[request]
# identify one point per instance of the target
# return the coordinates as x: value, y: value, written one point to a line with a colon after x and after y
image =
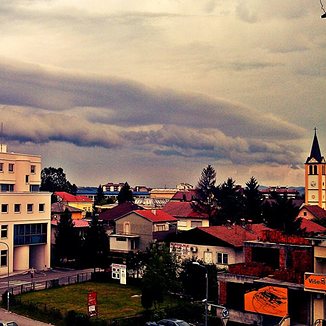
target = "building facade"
x: 315, y: 176
x: 25, y: 214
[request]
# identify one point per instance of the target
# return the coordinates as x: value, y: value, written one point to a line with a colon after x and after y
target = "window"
x: 33, y: 169
x: 17, y: 208
x: 222, y: 258
x: 4, y: 208
x: 11, y: 167
x: 30, y: 234
x: 304, y: 213
x: 126, y: 227
x: 3, y: 258
x: 7, y: 187
x: 1, y: 167
x: 41, y: 207
x: 26, y: 178
x: 4, y: 231
x: 34, y: 188
x: 195, y: 224
x: 29, y: 208
x: 160, y: 227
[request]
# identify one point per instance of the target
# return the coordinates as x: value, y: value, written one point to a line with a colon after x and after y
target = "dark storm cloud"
x: 111, y: 113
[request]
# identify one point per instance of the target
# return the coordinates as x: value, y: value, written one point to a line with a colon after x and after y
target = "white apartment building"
x: 25, y: 214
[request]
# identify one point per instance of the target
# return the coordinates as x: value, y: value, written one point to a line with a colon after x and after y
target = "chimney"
x: 154, y: 211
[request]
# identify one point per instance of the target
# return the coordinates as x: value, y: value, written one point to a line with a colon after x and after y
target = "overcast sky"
x: 152, y: 91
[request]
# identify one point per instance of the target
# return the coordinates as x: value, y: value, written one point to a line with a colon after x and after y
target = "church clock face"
x: 313, y: 183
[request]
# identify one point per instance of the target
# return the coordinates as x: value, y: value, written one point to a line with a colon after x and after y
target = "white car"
x: 8, y: 323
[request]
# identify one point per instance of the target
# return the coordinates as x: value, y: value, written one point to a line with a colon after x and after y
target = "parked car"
x: 8, y: 323
x: 168, y: 322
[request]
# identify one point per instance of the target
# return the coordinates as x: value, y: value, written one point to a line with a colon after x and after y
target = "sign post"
x: 92, y: 304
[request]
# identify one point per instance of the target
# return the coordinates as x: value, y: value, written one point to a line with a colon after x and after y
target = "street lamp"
x: 8, y: 295
x: 206, y: 293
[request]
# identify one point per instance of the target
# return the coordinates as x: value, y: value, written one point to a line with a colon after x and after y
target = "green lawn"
x: 114, y: 300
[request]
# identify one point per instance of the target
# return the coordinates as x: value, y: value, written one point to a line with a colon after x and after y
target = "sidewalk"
x: 20, y: 320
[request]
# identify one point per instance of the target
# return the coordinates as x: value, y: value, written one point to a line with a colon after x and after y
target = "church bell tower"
x: 315, y: 178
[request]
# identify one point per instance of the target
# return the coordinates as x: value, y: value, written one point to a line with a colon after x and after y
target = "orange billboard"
x: 269, y: 300
x: 315, y: 282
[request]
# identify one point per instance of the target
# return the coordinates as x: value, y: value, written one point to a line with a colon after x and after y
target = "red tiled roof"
x: 315, y: 210
x: 118, y: 211
x: 66, y: 197
x: 184, y: 195
x: 60, y: 207
x: 156, y: 215
x: 236, y: 234
x: 77, y: 223
x: 312, y: 227
x: 183, y: 209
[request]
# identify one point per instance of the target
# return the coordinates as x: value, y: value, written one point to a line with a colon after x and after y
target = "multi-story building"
x: 315, y: 176
x: 25, y: 214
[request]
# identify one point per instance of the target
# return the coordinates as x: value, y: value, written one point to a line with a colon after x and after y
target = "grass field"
x: 114, y: 300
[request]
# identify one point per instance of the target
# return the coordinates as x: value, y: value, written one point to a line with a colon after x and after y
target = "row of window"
x: 7, y: 187
x: 11, y: 168
x: 18, y: 207
x: 313, y: 169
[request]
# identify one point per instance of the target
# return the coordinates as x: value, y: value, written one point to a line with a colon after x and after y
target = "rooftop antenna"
x: 323, y: 9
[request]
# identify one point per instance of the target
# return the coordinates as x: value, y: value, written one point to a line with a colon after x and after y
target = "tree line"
x: 228, y: 203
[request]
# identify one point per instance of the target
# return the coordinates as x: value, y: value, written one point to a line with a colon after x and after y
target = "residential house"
x: 271, y: 192
x: 135, y: 230
x: 187, y: 217
x: 162, y: 193
x: 25, y: 214
x: 58, y: 208
x: 80, y: 227
x: 310, y: 212
x: 219, y: 245
x: 184, y: 195
x: 268, y: 286
x: 82, y: 202
x: 109, y: 216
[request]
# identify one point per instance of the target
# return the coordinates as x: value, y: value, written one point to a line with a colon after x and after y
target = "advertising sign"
x: 315, y: 282
x: 269, y: 300
x: 119, y: 272
x: 92, y: 304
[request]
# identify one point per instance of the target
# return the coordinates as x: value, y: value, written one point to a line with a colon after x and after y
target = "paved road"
x: 20, y: 320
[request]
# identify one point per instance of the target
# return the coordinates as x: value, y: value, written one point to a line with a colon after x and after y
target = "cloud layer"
x: 235, y: 84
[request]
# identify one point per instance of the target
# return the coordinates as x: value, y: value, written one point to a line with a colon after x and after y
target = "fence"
x: 47, y: 284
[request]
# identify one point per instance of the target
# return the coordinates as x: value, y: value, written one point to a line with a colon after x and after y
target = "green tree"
x: 253, y: 200
x: 280, y: 213
x: 230, y: 202
x: 205, y: 201
x: 96, y: 245
x: 125, y: 194
x: 100, y: 198
x: 67, y: 241
x: 54, y: 179
x: 160, y: 275
x: 193, y: 280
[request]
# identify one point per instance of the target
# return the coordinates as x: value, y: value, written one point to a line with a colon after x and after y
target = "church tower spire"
x: 315, y: 152
x: 315, y: 178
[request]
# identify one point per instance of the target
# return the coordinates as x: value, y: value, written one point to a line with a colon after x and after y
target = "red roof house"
x: 137, y: 229
x: 187, y: 217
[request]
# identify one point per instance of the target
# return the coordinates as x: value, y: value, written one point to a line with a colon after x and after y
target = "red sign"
x: 92, y: 303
